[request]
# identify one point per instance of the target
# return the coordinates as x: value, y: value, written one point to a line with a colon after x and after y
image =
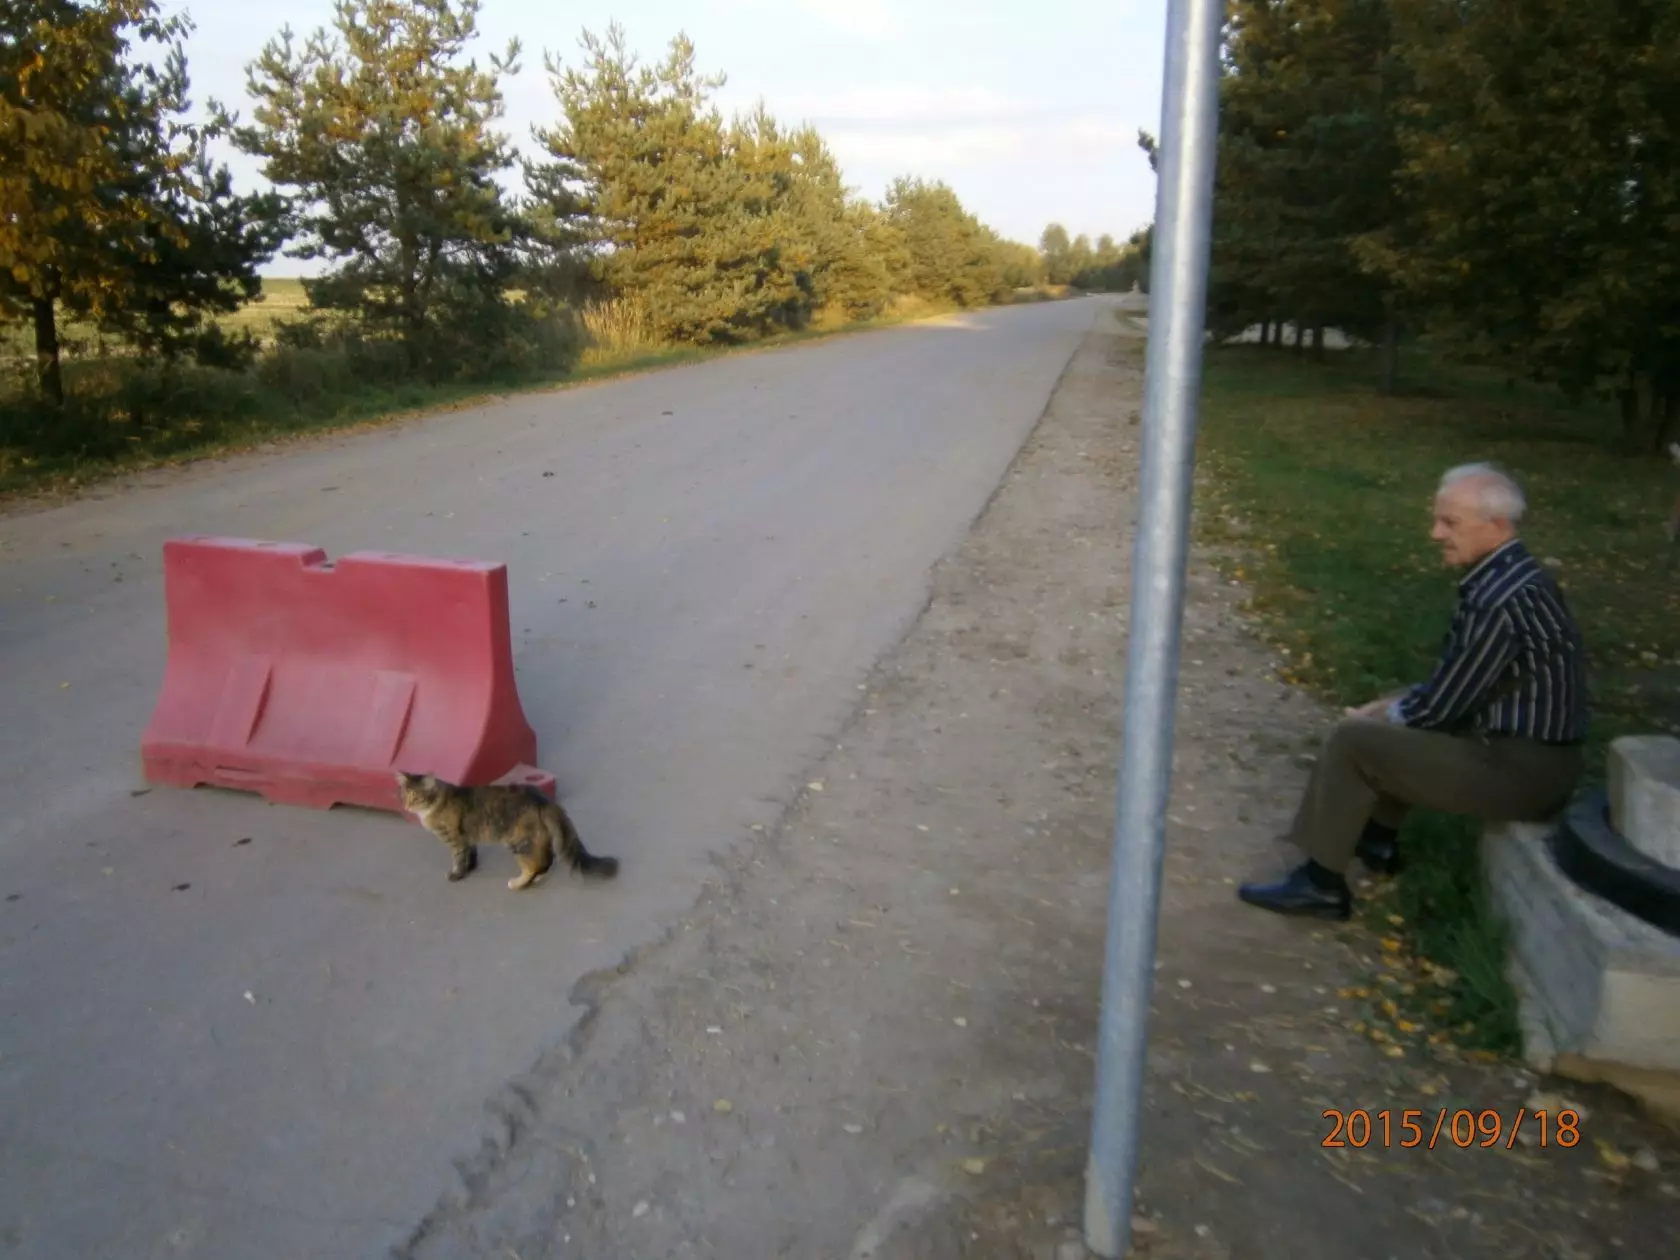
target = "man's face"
x: 1463, y: 533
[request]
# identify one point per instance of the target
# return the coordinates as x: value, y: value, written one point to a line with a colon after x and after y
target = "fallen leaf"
x: 723, y: 1106
x: 1551, y: 1104
x: 974, y: 1167
x: 1217, y: 1172
x: 1610, y: 1156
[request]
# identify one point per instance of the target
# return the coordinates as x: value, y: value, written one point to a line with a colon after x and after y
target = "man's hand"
x: 1375, y: 709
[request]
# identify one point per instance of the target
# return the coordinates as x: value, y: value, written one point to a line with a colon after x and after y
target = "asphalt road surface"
x: 280, y: 1048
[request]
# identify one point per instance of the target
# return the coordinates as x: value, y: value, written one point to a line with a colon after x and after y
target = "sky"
x: 1029, y: 109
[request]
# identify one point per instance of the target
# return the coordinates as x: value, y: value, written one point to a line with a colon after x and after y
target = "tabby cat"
x: 517, y: 815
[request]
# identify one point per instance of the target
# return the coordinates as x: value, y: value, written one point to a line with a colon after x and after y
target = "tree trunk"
x: 1666, y: 409
x: 1391, y: 354
x: 1300, y: 338
x: 1628, y: 397
x: 1650, y: 411
x: 47, y: 369
x: 1318, y: 341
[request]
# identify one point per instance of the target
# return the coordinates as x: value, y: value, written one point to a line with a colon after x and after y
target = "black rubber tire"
x: 1599, y: 859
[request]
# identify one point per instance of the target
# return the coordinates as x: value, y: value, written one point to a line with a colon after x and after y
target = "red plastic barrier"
x: 311, y: 681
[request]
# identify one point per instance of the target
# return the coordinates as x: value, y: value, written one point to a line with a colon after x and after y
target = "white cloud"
x: 904, y: 102
x: 870, y: 18
x: 911, y: 148
x: 874, y: 19
x: 914, y: 145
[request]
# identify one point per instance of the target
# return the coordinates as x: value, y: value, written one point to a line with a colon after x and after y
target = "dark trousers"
x: 1371, y: 769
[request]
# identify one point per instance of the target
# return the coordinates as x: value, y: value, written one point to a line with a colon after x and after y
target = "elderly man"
x: 1496, y: 731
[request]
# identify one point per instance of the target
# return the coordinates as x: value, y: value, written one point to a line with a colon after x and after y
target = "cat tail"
x: 570, y: 845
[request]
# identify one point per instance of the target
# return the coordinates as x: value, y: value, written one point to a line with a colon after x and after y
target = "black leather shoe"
x: 1380, y: 854
x: 1296, y: 893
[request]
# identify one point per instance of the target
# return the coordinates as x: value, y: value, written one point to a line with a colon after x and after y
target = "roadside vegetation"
x: 642, y: 227
x: 1325, y: 481
x: 1479, y: 195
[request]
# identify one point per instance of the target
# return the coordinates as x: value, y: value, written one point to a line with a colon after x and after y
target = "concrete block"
x: 1599, y: 989
x: 1643, y: 782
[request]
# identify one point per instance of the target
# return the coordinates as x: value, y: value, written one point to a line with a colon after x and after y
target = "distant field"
x: 281, y: 299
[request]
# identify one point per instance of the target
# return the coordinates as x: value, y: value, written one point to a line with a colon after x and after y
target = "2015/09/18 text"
x: 1462, y: 1127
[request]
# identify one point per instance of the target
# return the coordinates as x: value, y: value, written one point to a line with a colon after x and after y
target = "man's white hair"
x: 1498, y: 496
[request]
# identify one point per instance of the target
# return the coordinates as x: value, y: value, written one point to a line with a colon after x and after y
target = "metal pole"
x: 1172, y: 380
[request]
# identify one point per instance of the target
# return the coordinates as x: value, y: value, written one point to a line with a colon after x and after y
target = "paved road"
x: 287, y: 1057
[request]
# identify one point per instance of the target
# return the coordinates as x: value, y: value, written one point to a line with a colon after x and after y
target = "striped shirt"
x: 1513, y: 664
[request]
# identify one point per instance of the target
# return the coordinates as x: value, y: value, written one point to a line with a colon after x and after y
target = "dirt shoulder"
x: 873, y: 1035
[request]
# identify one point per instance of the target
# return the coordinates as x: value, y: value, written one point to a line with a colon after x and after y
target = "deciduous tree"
x: 1542, y: 154
x: 110, y: 209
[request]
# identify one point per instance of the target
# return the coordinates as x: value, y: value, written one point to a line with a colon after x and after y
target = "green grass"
x: 1326, y: 484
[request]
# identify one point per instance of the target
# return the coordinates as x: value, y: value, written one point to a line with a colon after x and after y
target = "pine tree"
x: 952, y: 257
x: 678, y: 212
x: 1307, y: 159
x: 386, y: 139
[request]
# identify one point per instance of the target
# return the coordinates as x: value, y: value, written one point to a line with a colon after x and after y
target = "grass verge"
x: 1324, y: 484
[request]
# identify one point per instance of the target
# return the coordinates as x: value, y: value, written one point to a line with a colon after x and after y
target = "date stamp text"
x: 1460, y: 1127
